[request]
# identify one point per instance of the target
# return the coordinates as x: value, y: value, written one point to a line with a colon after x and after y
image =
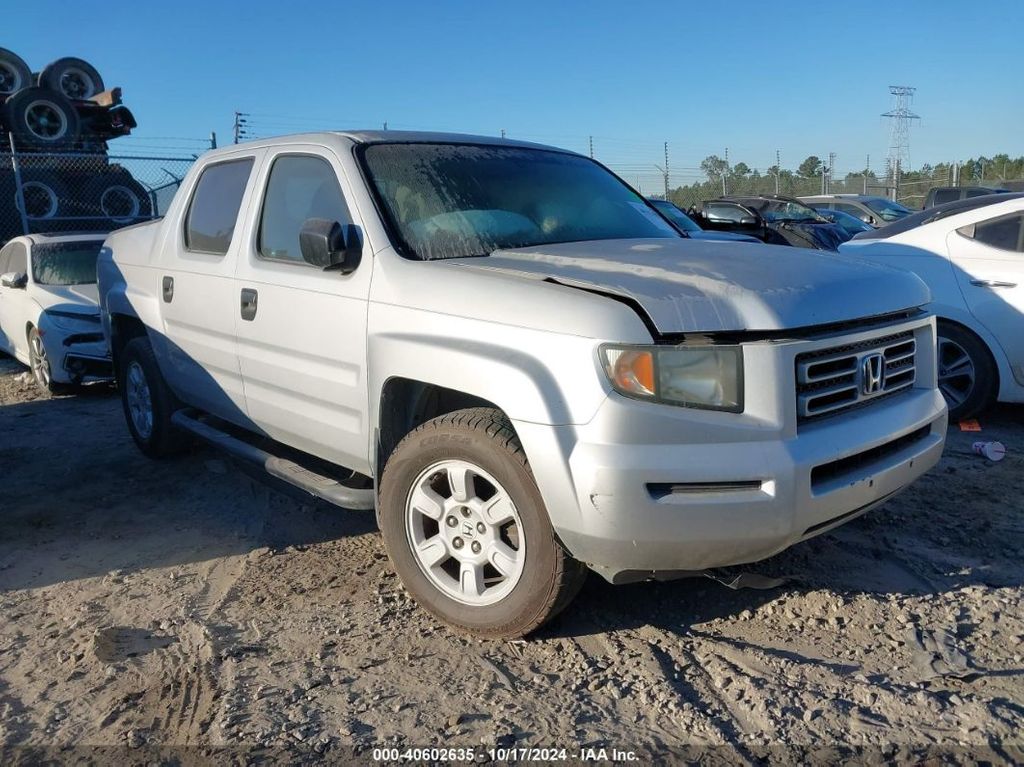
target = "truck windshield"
x: 65, y: 263
x: 461, y: 200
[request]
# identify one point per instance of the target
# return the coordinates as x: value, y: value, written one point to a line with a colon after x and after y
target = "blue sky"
x: 799, y: 77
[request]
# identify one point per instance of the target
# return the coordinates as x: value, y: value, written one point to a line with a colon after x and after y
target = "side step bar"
x: 315, y: 484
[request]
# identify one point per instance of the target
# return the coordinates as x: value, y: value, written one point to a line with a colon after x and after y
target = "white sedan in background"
x: 49, y: 312
x: 971, y: 254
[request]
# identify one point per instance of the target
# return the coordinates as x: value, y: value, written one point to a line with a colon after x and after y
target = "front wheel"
x: 466, y: 528
x: 148, y: 402
x: 39, y: 362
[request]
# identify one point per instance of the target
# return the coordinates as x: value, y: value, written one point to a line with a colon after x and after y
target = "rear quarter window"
x: 213, y: 209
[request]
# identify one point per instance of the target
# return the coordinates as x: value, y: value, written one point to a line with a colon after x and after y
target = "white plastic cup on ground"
x: 994, y: 451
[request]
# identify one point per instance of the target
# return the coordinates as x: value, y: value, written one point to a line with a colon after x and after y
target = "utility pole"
x: 213, y: 139
x: 867, y: 169
x: 240, y: 123
x: 385, y: 125
x: 503, y: 133
x: 591, y: 147
x: 831, y: 169
x: 666, y: 170
x: 778, y: 170
x: 725, y: 173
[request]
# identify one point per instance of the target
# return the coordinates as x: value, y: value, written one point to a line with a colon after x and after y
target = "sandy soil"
x: 186, y: 604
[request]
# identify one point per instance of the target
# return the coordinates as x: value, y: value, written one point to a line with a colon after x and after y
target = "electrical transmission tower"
x: 900, y: 118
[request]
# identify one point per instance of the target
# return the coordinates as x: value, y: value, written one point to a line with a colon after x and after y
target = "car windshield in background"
x: 888, y: 210
x: 788, y: 211
x: 65, y: 263
x: 928, y: 215
x: 676, y: 216
x: 461, y: 200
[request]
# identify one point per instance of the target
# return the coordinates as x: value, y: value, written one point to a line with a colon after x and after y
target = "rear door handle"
x: 168, y: 286
x: 249, y: 297
x: 993, y: 284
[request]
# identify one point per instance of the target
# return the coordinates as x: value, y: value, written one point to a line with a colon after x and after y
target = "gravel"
x: 183, y: 602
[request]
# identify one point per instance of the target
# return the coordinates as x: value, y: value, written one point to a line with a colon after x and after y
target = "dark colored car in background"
x: 851, y: 224
x: 943, y: 194
x: 689, y: 227
x: 871, y: 209
x: 773, y: 219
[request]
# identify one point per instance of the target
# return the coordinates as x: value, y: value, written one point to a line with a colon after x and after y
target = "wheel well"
x: 982, y: 341
x: 405, y: 404
x: 123, y: 328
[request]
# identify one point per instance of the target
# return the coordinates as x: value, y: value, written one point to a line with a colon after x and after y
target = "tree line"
x: 807, y: 179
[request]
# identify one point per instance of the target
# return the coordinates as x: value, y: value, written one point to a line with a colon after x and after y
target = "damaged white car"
x: 49, y: 318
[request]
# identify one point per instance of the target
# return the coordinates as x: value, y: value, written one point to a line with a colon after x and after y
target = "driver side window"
x: 300, y: 187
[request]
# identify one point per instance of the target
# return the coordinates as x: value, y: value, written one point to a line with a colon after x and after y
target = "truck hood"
x: 78, y: 299
x: 695, y: 286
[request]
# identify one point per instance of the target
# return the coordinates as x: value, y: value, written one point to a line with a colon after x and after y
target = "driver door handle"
x: 993, y: 284
x: 249, y: 298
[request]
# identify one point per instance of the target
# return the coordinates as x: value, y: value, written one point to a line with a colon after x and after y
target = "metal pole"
x: 591, y: 147
x: 666, y: 170
x: 213, y: 139
x: 19, y: 193
x: 778, y: 170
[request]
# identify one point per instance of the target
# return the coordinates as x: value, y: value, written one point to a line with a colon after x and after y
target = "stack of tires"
x: 60, y: 120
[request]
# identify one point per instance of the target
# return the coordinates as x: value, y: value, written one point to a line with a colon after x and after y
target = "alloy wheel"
x: 465, y: 533
x: 39, y: 362
x: 956, y: 372
x: 139, y: 399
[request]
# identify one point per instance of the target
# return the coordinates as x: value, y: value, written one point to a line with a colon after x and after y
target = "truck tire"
x: 14, y: 73
x: 40, y: 117
x: 148, y: 402
x: 45, y: 195
x: 968, y: 377
x: 118, y: 198
x: 466, y: 528
x: 75, y: 78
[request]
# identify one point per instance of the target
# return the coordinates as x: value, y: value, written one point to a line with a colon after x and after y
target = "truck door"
x: 988, y: 258
x: 301, y: 329
x: 197, y: 296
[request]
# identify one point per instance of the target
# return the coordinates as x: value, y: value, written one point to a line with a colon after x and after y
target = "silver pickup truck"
x: 511, y: 356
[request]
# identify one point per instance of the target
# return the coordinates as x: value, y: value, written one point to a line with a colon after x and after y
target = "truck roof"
x: 391, y: 136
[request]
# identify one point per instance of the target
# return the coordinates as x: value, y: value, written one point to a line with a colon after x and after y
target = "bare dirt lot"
x: 185, y: 604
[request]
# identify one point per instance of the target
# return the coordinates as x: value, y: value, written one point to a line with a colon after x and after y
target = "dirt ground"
x: 183, y: 603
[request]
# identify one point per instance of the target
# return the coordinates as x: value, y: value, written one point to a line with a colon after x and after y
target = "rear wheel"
x: 75, y: 78
x: 467, y: 531
x: 41, y: 117
x: 148, y: 402
x: 968, y: 378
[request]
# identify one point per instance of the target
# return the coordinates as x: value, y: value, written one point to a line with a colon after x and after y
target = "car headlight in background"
x: 70, y: 322
x: 708, y: 377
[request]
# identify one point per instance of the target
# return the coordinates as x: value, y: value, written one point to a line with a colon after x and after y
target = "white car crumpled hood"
x: 80, y: 299
x: 707, y: 286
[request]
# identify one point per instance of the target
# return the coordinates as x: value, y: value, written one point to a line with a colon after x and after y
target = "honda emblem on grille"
x: 872, y: 374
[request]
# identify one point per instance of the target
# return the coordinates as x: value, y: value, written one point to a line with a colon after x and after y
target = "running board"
x: 315, y: 484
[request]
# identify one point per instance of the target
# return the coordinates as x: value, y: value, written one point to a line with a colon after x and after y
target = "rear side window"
x: 213, y: 211
x: 300, y: 187
x: 1003, y: 233
x: 946, y: 195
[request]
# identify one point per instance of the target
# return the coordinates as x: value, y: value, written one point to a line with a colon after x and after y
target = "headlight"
x: 72, y: 323
x: 709, y: 377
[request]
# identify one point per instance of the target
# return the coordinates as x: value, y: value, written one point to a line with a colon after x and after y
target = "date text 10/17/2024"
x: 504, y: 754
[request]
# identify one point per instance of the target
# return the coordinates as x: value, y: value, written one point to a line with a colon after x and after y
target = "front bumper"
x: 661, y: 491
x: 77, y: 357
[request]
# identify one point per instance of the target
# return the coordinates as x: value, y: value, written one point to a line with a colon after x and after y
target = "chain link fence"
x: 72, y: 192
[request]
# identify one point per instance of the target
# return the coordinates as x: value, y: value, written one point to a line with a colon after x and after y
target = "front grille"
x: 829, y: 381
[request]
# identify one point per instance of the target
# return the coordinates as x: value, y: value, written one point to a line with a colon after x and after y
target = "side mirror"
x: 14, y: 280
x: 868, y: 219
x: 330, y: 245
x: 748, y: 221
